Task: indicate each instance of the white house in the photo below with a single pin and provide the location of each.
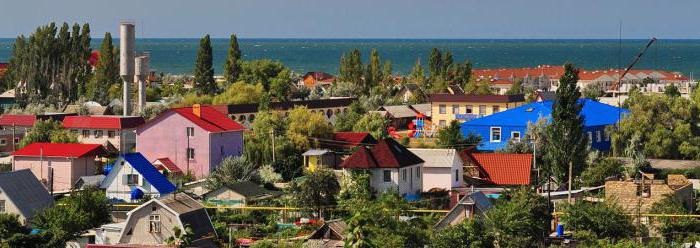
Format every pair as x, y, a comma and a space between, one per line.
443, 168
133, 177
390, 165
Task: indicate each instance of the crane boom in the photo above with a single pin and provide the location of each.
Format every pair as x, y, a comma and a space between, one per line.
616, 86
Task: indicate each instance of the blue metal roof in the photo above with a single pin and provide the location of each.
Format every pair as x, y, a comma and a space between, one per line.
150, 173
594, 113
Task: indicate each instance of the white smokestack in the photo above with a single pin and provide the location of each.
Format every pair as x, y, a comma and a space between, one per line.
126, 61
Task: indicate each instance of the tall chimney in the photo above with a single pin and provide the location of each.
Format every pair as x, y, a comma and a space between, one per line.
197, 110
141, 72
127, 38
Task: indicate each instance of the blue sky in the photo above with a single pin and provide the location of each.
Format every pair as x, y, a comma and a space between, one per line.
364, 18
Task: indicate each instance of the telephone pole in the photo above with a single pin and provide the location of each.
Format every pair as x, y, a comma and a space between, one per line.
272, 132
571, 166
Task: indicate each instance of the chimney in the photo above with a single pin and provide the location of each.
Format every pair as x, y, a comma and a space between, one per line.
197, 110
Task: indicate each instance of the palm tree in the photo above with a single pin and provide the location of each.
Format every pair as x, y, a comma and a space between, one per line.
181, 239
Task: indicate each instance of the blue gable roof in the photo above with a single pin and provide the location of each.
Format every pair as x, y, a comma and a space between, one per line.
149, 173
594, 113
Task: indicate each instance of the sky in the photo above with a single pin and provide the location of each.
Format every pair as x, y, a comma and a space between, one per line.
422, 19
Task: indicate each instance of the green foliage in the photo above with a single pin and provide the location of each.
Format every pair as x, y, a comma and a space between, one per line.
600, 168
593, 91
373, 123
267, 174
605, 220
675, 229
521, 221
76, 214
232, 66
351, 69
265, 72
152, 111
478, 88
316, 190
181, 238
48, 131
672, 91
566, 143
304, 126
258, 144
418, 75
106, 72
203, 70
516, 88
435, 63
374, 74
451, 137
355, 189
10, 225
472, 233
232, 170
239, 93
345, 121
666, 127
192, 98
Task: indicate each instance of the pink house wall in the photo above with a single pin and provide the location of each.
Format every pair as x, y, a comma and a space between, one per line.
66, 170
167, 137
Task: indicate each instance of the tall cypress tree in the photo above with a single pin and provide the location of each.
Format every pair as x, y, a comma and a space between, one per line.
374, 71
106, 72
435, 63
351, 69
203, 71
232, 66
565, 140
446, 63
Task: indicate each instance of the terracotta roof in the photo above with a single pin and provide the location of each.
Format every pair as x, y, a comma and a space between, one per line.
210, 119
353, 139
320, 76
102, 122
386, 154
166, 163
68, 150
476, 98
502, 168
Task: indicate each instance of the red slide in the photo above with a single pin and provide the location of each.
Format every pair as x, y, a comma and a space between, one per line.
392, 133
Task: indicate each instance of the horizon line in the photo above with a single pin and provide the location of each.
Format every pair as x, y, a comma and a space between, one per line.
379, 38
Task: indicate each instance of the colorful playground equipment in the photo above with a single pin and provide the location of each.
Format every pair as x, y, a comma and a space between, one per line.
420, 127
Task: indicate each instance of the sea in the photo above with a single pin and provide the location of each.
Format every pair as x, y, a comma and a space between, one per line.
177, 56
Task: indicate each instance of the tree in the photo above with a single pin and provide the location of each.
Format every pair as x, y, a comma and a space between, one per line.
10, 225
351, 69
418, 75
374, 75
516, 87
203, 69
478, 88
446, 63
599, 169
373, 123
265, 72
451, 137
675, 229
48, 131
435, 63
672, 91
606, 220
521, 221
106, 72
345, 121
306, 126
232, 66
316, 190
593, 91
239, 93
472, 233
181, 238
566, 144
232, 170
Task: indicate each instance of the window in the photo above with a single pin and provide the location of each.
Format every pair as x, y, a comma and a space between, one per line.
387, 176
455, 109
443, 123
2, 206
3, 142
74, 131
404, 175
442, 109
482, 109
418, 172
456, 175
190, 153
132, 179
16, 140
190, 131
98, 133
495, 134
515, 135
496, 108
469, 109
111, 134
598, 136
86, 133
154, 223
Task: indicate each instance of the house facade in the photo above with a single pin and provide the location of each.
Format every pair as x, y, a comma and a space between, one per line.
196, 139
391, 167
132, 178
115, 131
58, 165
22, 194
496, 130
448, 107
313, 79
442, 169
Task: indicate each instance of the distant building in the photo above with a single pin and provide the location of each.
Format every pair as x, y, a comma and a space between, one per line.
449, 107
89, 181
7, 98
410, 92
238, 194
497, 129
313, 79
349, 140
110, 131
471, 205
390, 165
245, 113
442, 169
643, 193
330, 235
9, 140
497, 169
399, 115
196, 139
64, 163
132, 178
22, 194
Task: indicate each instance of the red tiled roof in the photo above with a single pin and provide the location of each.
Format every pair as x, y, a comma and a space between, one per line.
18, 120
503, 168
321, 76
167, 164
94, 58
353, 139
386, 154
102, 122
4, 65
476, 98
210, 120
68, 150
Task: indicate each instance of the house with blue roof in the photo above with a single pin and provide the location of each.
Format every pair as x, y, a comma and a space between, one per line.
497, 129
133, 177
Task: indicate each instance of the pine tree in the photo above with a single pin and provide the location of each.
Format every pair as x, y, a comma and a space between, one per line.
566, 142
435, 63
232, 66
106, 72
203, 71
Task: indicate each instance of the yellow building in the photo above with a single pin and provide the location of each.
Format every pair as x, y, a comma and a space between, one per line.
448, 107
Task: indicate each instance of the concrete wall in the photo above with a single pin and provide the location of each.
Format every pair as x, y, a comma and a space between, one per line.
66, 170
138, 223
412, 184
625, 194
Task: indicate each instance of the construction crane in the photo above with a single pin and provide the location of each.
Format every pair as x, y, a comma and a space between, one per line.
616, 86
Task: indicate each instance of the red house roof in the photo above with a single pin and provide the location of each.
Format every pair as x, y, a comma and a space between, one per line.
503, 168
386, 154
17, 120
210, 119
166, 163
102, 122
67, 150
352, 139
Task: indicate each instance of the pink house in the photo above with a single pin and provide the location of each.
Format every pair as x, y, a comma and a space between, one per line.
68, 162
195, 139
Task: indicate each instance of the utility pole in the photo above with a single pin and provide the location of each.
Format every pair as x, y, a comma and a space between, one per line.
272, 132
571, 166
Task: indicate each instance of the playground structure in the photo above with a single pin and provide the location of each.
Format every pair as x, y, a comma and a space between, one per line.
419, 128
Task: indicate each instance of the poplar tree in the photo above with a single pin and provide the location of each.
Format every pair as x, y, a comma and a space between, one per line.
106, 72
374, 70
418, 74
232, 66
351, 69
566, 143
446, 63
203, 71
435, 63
